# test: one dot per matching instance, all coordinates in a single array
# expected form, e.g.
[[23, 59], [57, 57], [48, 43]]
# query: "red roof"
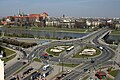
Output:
[[101, 73], [30, 16], [45, 54], [34, 15]]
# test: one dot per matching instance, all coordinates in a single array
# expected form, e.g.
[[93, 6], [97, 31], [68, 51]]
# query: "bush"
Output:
[[17, 43]]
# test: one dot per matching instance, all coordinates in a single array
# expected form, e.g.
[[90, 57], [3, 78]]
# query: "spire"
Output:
[[22, 13], [19, 12]]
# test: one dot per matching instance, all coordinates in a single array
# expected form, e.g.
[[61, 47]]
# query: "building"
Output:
[[1, 54], [88, 22], [53, 22], [1, 70], [117, 26], [95, 23], [80, 24], [21, 19]]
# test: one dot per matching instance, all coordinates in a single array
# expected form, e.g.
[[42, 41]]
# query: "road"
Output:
[[107, 55], [40, 49], [13, 68]]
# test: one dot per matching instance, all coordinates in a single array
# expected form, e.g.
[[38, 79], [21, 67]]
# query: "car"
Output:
[[85, 70], [50, 55], [35, 75], [30, 69], [63, 75], [13, 78], [24, 63], [59, 77], [18, 58], [101, 48], [4, 64], [91, 78]]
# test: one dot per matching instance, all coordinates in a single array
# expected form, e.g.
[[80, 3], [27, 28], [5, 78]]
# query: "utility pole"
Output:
[[62, 64]]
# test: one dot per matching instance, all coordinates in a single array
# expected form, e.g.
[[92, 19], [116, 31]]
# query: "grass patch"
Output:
[[17, 27], [86, 56], [68, 65], [114, 72], [7, 51], [56, 53], [9, 58], [58, 29], [52, 53], [55, 29], [113, 47], [115, 32], [107, 78], [85, 78], [37, 60]]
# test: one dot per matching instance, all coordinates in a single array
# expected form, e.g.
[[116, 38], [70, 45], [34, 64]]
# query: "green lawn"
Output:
[[17, 27], [58, 29], [9, 58], [85, 78], [55, 53], [37, 60], [114, 72], [107, 78], [7, 51], [68, 65], [86, 56], [115, 32], [55, 29]]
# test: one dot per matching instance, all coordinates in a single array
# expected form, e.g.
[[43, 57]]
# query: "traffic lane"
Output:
[[101, 59], [43, 47], [74, 76], [70, 60], [79, 60], [13, 68], [77, 72], [33, 76]]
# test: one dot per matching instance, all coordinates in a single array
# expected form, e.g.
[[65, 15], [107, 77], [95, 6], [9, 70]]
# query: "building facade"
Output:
[[1, 70]]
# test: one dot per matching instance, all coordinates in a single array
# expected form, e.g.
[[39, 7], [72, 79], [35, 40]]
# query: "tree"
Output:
[[3, 19]]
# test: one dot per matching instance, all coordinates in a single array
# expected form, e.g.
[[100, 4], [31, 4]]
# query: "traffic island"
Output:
[[114, 72], [57, 50], [37, 60], [6, 54], [87, 52], [9, 57]]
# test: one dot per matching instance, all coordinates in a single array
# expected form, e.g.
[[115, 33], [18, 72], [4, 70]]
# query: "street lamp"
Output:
[[62, 63]]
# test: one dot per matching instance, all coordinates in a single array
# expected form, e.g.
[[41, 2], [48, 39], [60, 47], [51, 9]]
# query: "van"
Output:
[[45, 67]]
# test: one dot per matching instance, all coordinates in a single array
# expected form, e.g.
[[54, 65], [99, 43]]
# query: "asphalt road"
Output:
[[107, 55], [13, 68], [41, 49]]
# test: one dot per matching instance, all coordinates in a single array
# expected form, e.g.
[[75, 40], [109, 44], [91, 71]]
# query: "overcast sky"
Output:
[[73, 8]]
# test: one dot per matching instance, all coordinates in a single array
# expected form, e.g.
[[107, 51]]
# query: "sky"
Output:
[[71, 8]]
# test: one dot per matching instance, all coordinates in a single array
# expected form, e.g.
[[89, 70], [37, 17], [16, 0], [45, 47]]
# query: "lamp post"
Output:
[[62, 64]]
